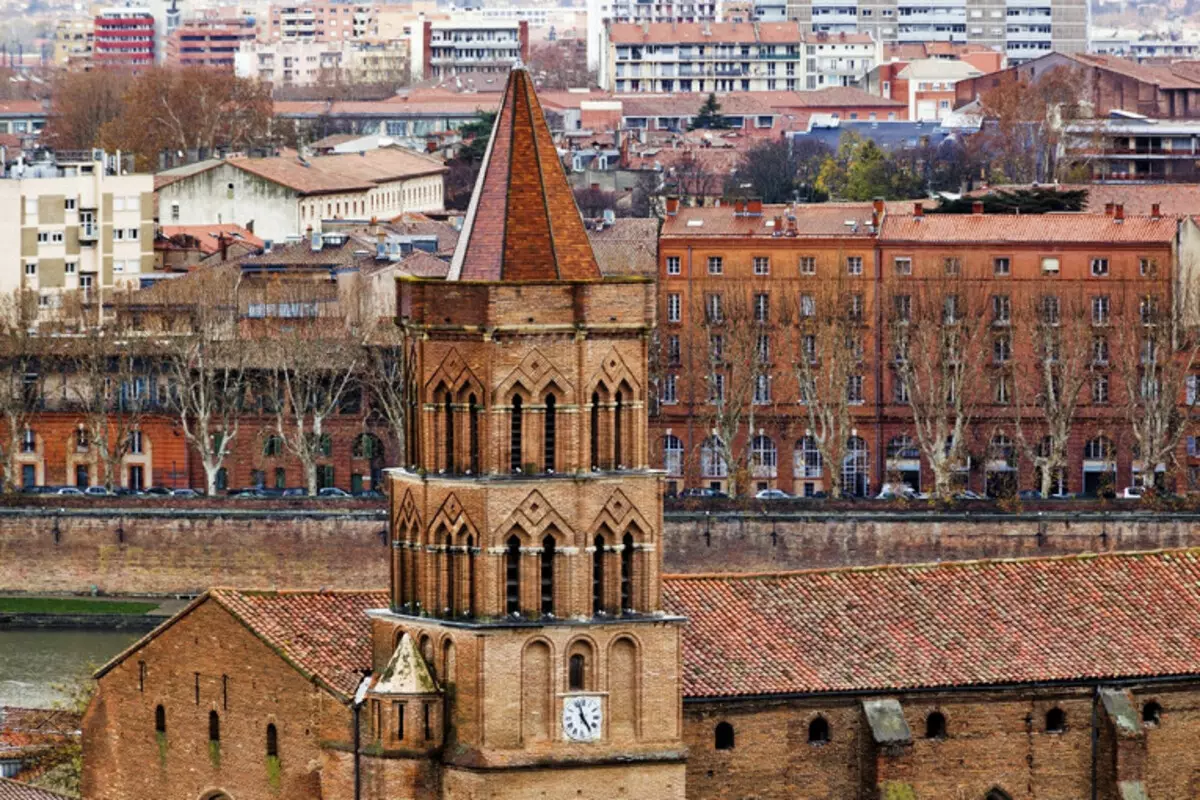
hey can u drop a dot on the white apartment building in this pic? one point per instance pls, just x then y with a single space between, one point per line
448 47
321 21
290 62
74 224
602 12
1022 29
662 58
1142 47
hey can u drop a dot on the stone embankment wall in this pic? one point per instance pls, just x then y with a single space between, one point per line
181 552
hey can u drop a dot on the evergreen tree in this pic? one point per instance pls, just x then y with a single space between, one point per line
1034 200
709 117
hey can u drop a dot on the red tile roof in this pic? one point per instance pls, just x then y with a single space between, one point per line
14 790
816 220
1058 228
523 224
347 172
208 236
976 623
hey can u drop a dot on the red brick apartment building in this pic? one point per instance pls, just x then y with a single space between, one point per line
1089 281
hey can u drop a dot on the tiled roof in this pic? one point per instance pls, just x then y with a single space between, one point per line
629 246
169 176
817 220
343 172
1165 76
1060 228
208 236
1127 615
522 223
412 223
423 265
14 790
1174 199
21 107
831 97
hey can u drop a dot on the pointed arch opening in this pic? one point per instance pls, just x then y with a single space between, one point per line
451 604
547 565
549 431
272 741
594 450
514 441
618 409
470 598
473 433
598 575
723 736
627 573
512 576
448 431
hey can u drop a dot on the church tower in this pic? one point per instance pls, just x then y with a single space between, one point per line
526 526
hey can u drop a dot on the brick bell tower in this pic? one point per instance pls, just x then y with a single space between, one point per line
526 528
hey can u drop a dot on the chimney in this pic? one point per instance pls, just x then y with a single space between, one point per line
672 205
1119 213
739 207
878 205
754 207
778 229
977 207
918 211
1155 211
1108 209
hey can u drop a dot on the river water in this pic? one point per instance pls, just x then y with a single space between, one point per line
32 662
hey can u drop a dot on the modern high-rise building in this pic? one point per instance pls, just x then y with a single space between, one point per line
442 48
124 37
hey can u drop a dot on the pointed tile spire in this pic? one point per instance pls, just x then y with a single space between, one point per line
522 224
406 672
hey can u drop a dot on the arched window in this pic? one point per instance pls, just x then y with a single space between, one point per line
598 575
548 575
448 413
514 443
672 455
712 462
1151 713
576 668
160 720
272 741
1056 721
854 468
764 458
473 433
618 455
935 726
818 731
808 461
723 736
512 577
595 445
627 573
548 438
214 726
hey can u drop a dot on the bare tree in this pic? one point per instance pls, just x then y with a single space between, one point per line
1065 340
828 365
21 373
1156 355
732 327
207 365
937 341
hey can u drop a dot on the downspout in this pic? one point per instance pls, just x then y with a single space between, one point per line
359 697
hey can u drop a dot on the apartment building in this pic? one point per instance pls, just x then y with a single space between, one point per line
1144 47
1093 282
1022 29
320 21
75 224
602 12
208 43
448 47
731 57
73 41
123 37
926 86
291 62
1121 149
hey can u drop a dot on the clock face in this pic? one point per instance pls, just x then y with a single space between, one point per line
582 718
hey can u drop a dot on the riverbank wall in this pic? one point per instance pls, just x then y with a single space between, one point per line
181 552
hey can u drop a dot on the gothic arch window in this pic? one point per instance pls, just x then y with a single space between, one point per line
1056 720
514 441
595 430
618 408
935 726
818 731
723 736
449 662
672 455
451 606
473 433
598 575
448 416
160 720
854 468
272 741
397 635
808 463
469 600
512 576
547 570
214 726
627 573
549 444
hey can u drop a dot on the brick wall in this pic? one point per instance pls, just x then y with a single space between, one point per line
186 552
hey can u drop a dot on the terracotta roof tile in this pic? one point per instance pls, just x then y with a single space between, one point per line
977 623
1057 227
523 223
325 635
819 219
340 173
208 236
629 246
14 790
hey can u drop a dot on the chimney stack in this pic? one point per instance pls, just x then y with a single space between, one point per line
918 211
672 205
877 204
1119 212
754 207
977 207
778 230
1108 209
1155 211
739 207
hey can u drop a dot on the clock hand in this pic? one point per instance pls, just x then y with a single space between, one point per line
582 718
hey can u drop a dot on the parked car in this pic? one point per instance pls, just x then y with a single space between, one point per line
772 494
184 493
294 492
370 494
708 494
73 490
159 491
1029 494
246 492
332 491
1133 493
97 491
967 494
